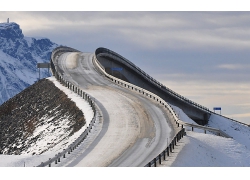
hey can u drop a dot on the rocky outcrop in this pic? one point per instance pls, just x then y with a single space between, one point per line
40 103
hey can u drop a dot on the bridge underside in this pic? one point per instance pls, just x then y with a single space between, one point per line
123 72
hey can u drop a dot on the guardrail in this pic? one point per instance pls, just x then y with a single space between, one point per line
168 150
85 96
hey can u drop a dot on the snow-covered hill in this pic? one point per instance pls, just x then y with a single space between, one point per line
19 56
197 149
44 127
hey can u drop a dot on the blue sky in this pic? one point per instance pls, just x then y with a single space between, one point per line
202 55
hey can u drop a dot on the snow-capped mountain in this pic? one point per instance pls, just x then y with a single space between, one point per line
19 56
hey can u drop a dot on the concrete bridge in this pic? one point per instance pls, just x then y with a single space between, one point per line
137 121
120 67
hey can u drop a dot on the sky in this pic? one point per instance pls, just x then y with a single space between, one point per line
200 53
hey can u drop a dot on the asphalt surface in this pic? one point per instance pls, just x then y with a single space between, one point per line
133 128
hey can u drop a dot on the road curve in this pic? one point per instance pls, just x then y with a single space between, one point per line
134 130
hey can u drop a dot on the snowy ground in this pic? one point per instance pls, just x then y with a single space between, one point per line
29 160
194 150
206 150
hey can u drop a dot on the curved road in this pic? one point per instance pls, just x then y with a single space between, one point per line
133 128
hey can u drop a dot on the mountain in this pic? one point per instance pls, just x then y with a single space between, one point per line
19 56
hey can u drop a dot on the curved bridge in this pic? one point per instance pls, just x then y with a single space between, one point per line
135 128
137 125
112 62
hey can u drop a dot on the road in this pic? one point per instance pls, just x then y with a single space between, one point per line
133 128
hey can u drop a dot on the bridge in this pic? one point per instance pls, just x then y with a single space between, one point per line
137 123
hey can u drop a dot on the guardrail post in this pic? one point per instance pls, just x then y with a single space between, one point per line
49 163
155 161
170 147
192 128
159 158
205 131
167 151
164 155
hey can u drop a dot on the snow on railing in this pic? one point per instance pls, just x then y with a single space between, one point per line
85 96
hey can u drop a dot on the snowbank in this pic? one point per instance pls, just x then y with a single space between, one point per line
238 131
206 150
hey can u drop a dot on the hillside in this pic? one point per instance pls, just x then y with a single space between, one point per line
38 119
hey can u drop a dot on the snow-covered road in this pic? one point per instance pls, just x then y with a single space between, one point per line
134 128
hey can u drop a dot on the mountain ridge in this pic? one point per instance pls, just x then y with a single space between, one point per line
19 56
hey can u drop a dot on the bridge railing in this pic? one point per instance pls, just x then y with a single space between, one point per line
166 152
57 158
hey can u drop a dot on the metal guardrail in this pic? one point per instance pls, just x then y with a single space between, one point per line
168 150
85 96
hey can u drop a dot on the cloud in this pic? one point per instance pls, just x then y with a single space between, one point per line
205 31
233 66
243 115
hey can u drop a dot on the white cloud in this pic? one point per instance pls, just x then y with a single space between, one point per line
233 66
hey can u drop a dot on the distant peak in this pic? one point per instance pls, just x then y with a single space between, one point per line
10 30
5 24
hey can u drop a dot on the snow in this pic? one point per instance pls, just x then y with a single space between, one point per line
80 102
29 160
197 149
206 150
5 25
29 40
238 131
